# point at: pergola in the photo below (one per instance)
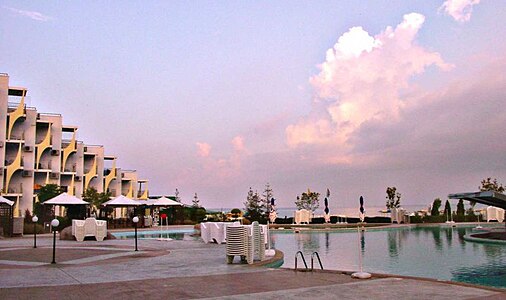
(488, 198)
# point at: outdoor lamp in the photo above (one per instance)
(135, 220)
(35, 219)
(54, 224)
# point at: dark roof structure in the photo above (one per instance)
(488, 198)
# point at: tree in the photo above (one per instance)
(393, 198)
(460, 208)
(176, 195)
(308, 200)
(267, 195)
(448, 209)
(254, 206)
(435, 207)
(96, 199)
(45, 193)
(195, 202)
(491, 185)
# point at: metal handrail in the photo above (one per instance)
(319, 260)
(303, 259)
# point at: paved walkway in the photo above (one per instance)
(186, 269)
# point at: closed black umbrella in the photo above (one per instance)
(362, 209)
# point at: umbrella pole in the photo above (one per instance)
(361, 274)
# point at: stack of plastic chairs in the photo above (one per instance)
(78, 229)
(218, 234)
(101, 232)
(205, 232)
(258, 241)
(239, 243)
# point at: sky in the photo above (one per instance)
(215, 97)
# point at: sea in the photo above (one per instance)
(372, 211)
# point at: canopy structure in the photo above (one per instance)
(121, 201)
(163, 201)
(488, 198)
(6, 201)
(65, 200)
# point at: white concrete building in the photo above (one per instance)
(38, 149)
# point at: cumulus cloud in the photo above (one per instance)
(238, 143)
(220, 169)
(460, 10)
(360, 81)
(34, 15)
(204, 149)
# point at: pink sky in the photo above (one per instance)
(215, 99)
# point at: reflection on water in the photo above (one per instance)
(145, 235)
(434, 252)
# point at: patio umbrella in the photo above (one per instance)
(121, 201)
(362, 211)
(65, 199)
(163, 201)
(6, 201)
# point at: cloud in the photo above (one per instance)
(34, 15)
(460, 10)
(204, 149)
(360, 82)
(238, 143)
(219, 170)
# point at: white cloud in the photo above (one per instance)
(460, 10)
(360, 81)
(204, 149)
(34, 15)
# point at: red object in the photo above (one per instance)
(163, 216)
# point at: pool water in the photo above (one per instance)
(438, 252)
(175, 234)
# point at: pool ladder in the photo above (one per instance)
(304, 260)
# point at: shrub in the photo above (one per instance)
(28, 228)
(246, 221)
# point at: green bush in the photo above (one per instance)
(28, 228)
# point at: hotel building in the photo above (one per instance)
(38, 149)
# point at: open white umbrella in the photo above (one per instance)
(65, 199)
(121, 201)
(6, 201)
(163, 201)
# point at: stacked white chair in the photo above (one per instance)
(101, 230)
(205, 232)
(78, 229)
(239, 244)
(218, 234)
(258, 241)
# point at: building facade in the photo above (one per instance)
(38, 149)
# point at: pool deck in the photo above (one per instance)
(188, 269)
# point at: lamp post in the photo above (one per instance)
(54, 224)
(135, 220)
(35, 219)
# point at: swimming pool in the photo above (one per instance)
(438, 252)
(175, 234)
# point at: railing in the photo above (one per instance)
(319, 261)
(303, 259)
